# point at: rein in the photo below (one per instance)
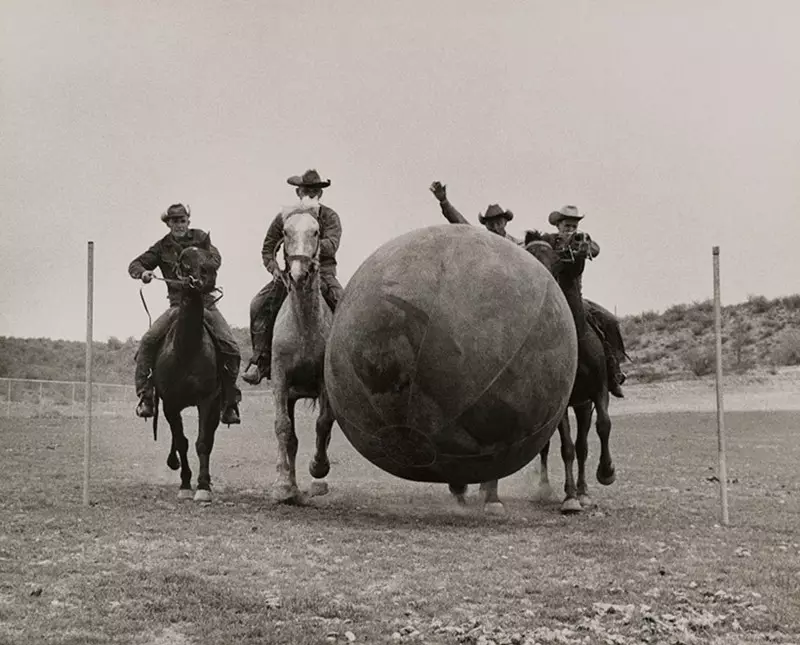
(183, 282)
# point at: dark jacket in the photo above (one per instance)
(164, 255)
(330, 233)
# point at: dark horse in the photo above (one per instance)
(186, 372)
(590, 390)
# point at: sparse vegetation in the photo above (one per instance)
(758, 333)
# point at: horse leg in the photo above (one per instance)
(491, 501)
(208, 413)
(459, 491)
(320, 465)
(545, 491)
(179, 451)
(285, 489)
(605, 469)
(570, 503)
(583, 415)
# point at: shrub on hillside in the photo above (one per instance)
(699, 360)
(759, 304)
(787, 348)
(791, 303)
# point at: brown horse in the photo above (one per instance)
(186, 372)
(589, 392)
(298, 352)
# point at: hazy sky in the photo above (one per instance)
(674, 125)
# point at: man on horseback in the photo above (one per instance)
(567, 220)
(164, 255)
(494, 219)
(267, 302)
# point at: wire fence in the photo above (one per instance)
(21, 397)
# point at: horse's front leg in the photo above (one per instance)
(491, 501)
(583, 417)
(570, 503)
(179, 451)
(208, 420)
(285, 489)
(606, 473)
(320, 464)
(544, 491)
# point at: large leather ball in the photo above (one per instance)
(451, 357)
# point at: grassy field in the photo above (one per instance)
(384, 560)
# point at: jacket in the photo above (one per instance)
(164, 255)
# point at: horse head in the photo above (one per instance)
(540, 248)
(301, 242)
(197, 269)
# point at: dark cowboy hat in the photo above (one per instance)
(310, 178)
(176, 210)
(565, 212)
(493, 211)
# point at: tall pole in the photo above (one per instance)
(87, 435)
(723, 471)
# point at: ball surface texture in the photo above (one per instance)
(451, 357)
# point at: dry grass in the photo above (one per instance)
(381, 559)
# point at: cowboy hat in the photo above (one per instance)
(176, 210)
(494, 210)
(565, 212)
(310, 179)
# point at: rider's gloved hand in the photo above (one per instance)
(146, 276)
(439, 190)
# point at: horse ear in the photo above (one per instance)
(205, 243)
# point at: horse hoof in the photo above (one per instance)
(173, 462)
(543, 494)
(285, 494)
(461, 500)
(202, 495)
(185, 493)
(318, 488)
(319, 470)
(585, 501)
(570, 506)
(606, 479)
(494, 508)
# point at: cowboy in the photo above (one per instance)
(566, 220)
(494, 219)
(164, 255)
(267, 302)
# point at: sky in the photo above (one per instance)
(673, 125)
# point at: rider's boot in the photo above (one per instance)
(231, 395)
(615, 376)
(147, 403)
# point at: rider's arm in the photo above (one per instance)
(214, 254)
(147, 261)
(451, 214)
(272, 241)
(330, 233)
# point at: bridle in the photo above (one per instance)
(312, 259)
(188, 281)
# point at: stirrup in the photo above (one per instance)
(252, 374)
(230, 415)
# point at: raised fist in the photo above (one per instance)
(439, 190)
